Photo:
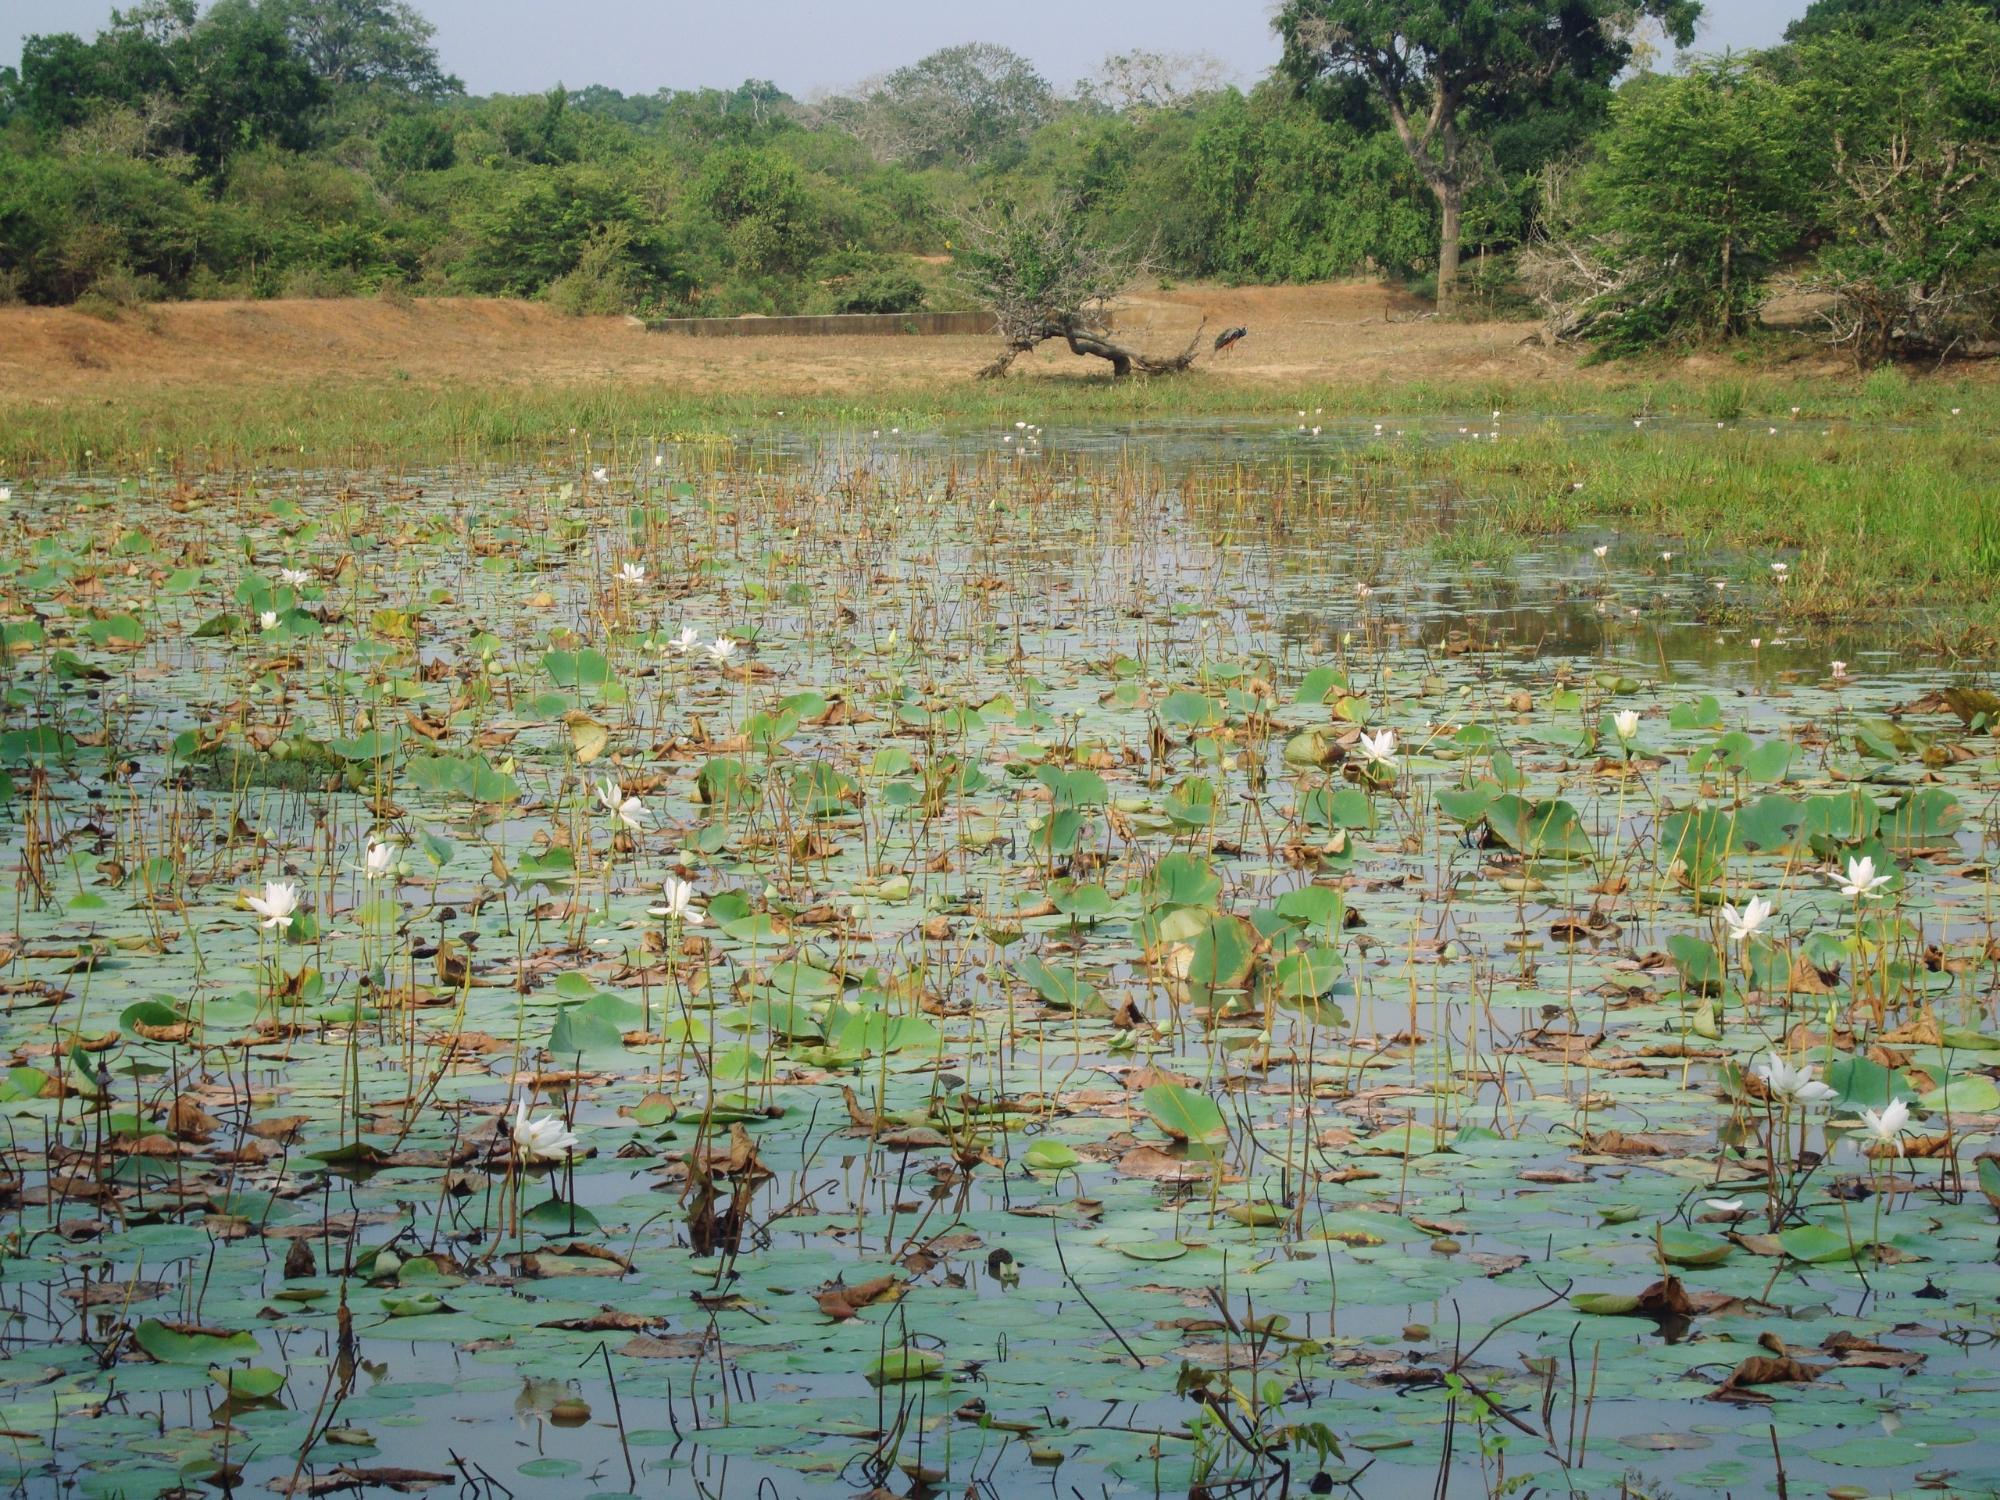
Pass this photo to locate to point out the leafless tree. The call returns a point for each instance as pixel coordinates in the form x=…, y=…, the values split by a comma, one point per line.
x=1142, y=79
x=1044, y=276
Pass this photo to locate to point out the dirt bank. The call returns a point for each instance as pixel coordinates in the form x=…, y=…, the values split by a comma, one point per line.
x=1345, y=332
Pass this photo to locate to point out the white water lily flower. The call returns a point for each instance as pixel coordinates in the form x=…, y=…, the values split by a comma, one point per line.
x=687, y=640
x=678, y=903
x=628, y=810
x=1626, y=722
x=600, y=475
x=1379, y=749
x=381, y=860
x=722, y=648
x=276, y=905
x=1888, y=1126
x=1780, y=570
x=1666, y=557
x=544, y=1138
x=6, y=493
x=268, y=620
x=1862, y=881
x=1785, y=1081
x=298, y=578
x=1741, y=924
x=1839, y=668
x=1601, y=550
x=632, y=573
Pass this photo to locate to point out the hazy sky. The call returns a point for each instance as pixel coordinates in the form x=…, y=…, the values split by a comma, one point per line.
x=804, y=45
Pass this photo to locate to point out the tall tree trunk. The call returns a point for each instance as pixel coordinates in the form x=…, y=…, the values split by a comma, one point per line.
x=1451, y=199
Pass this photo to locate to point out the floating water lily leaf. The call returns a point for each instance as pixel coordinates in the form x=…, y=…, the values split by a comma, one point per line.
x=185, y=1344
x=1185, y=1114
x=901, y=1366
x=1150, y=1250
x=1050, y=1156
x=1225, y=951
x=1063, y=988
x=553, y=1216
x=1817, y=1245
x=1863, y=1083
x=1964, y=1094
x=585, y=1031
x=1679, y=1247
x=253, y=1384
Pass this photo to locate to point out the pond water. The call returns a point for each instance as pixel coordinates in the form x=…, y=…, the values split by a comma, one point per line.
x=1182, y=987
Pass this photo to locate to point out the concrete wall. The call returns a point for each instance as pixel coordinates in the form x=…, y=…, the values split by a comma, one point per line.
x=977, y=323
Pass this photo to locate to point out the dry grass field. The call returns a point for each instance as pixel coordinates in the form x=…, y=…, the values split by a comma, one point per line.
x=1331, y=334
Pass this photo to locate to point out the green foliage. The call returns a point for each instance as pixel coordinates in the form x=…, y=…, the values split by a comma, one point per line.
x=1869, y=19
x=1911, y=186
x=880, y=285
x=268, y=147
x=1703, y=187
x=1446, y=74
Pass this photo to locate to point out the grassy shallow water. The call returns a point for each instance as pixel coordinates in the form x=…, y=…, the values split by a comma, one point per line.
x=1186, y=978
x=1877, y=491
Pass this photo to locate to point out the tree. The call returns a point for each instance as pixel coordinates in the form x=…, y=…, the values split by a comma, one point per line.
x=1444, y=69
x=1044, y=277
x=366, y=43
x=1871, y=19
x=1706, y=184
x=1912, y=186
x=231, y=77
x=1129, y=82
x=761, y=198
x=955, y=107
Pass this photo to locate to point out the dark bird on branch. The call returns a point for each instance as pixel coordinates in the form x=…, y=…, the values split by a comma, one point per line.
x=1229, y=337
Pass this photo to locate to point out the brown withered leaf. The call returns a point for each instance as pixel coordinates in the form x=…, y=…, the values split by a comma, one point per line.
x=604, y=1320
x=673, y=1346
x=1152, y=1164
x=384, y=1476
x=187, y=1118
x=1765, y=1369
x=1622, y=1143
x=1856, y=1352
x=841, y=1302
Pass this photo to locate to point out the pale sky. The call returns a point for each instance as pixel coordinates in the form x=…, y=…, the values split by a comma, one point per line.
x=518, y=46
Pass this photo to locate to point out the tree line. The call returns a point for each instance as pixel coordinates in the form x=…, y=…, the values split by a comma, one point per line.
x=1497, y=152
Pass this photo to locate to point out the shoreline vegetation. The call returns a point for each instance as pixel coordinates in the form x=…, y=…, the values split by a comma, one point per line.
x=1871, y=485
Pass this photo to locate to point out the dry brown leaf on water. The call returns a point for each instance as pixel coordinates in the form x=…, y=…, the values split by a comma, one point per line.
x=1856, y=1352
x=1150, y=1076
x=1670, y=1298
x=383, y=1477
x=190, y=1119
x=1765, y=1369
x=1621, y=1143
x=912, y=1138
x=604, y=1320
x=737, y=1159
x=841, y=1302
x=1151, y=1164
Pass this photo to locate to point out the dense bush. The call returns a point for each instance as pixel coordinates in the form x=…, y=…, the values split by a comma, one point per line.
x=265, y=147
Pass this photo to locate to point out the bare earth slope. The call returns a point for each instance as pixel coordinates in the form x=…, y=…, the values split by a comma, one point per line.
x=1343, y=332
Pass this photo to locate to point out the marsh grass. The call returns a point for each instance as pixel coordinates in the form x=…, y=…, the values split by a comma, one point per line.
x=1867, y=516
x=1873, y=491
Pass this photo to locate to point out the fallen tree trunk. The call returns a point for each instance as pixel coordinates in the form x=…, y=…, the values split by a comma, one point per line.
x=1095, y=342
